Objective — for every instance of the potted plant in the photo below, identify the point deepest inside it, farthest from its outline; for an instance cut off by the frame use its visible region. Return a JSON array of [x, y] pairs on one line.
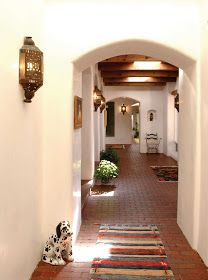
[[110, 155], [105, 171]]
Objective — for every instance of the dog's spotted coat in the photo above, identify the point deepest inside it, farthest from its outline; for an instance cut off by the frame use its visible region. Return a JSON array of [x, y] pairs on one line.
[[59, 245]]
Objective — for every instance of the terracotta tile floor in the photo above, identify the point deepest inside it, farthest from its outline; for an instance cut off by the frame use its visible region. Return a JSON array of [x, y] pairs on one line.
[[138, 198]]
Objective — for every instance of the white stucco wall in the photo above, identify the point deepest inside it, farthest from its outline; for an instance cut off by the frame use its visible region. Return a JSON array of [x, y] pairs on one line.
[[102, 131], [170, 122], [203, 224], [123, 126], [150, 99], [40, 151], [189, 155], [20, 146], [97, 141], [87, 131], [165, 120]]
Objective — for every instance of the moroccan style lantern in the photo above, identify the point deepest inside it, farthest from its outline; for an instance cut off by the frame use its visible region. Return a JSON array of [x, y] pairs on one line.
[[176, 99], [97, 97], [102, 105], [30, 68], [123, 109]]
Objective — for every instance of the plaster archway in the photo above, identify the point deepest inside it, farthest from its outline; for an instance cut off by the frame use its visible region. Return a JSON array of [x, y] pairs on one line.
[[145, 47], [189, 158]]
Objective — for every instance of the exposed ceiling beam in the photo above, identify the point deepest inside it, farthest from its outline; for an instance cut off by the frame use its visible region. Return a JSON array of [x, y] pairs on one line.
[[146, 80], [123, 70], [138, 73], [134, 84], [130, 58], [107, 66]]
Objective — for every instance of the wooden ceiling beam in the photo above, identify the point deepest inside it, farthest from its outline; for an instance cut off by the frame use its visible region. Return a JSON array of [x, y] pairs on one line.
[[135, 84], [138, 73], [130, 58], [147, 80], [105, 66], [116, 71]]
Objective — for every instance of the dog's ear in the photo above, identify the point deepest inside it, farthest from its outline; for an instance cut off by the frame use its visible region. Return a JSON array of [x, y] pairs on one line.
[[58, 230]]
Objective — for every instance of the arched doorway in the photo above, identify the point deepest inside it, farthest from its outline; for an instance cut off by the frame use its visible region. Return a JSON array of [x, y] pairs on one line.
[[188, 128], [126, 125]]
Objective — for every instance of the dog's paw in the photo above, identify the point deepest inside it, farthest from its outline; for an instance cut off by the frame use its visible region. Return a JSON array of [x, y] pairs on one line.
[[55, 262], [61, 262], [70, 258], [50, 260]]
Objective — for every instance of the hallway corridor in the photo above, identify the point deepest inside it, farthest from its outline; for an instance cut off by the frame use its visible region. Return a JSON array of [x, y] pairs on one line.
[[138, 198]]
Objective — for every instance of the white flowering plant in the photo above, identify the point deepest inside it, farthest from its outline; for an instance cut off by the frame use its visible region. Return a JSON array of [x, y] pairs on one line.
[[106, 170]]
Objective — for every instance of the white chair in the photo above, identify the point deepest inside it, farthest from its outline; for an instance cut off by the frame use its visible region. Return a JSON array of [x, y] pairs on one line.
[[153, 142]]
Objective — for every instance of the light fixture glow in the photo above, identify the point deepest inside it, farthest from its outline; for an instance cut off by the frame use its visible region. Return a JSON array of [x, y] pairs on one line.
[[123, 109], [14, 66], [147, 65], [138, 79], [97, 97], [102, 105], [135, 104]]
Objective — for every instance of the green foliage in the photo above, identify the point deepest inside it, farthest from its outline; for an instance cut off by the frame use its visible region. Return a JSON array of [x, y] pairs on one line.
[[136, 131], [136, 134], [110, 155], [106, 170]]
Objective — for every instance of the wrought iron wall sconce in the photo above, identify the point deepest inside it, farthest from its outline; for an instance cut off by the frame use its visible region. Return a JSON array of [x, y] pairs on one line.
[[102, 105], [97, 98], [30, 68], [177, 102], [123, 109], [176, 99]]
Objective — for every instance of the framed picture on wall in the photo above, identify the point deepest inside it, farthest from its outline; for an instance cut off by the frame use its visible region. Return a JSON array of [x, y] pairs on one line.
[[77, 112]]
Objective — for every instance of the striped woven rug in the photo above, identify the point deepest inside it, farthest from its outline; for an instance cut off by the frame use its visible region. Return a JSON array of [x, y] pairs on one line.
[[130, 252]]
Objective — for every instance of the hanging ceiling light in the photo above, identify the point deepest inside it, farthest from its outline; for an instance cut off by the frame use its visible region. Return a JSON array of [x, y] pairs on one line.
[[123, 109], [97, 98]]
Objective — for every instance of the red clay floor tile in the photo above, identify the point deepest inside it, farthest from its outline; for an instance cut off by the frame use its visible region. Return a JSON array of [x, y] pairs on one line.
[[138, 198]]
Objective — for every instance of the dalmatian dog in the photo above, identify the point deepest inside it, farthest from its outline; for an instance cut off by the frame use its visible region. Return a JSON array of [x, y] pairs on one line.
[[59, 245]]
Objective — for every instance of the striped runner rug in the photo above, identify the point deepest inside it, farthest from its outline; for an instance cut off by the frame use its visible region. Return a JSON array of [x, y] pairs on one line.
[[130, 252]]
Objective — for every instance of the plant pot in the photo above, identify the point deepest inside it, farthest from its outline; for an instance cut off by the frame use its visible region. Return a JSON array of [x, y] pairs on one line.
[[105, 180]]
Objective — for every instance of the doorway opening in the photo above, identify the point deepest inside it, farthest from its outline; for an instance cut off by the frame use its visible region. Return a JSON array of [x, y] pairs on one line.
[[188, 128], [135, 122], [123, 122]]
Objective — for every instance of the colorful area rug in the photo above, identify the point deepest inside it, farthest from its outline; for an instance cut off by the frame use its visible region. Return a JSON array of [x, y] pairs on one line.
[[130, 252], [102, 189], [166, 173]]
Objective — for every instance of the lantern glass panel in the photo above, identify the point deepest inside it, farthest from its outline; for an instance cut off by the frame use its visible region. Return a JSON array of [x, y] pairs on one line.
[[22, 66]]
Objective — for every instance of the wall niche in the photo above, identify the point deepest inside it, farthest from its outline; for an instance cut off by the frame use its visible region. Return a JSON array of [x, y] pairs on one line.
[[151, 115]]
